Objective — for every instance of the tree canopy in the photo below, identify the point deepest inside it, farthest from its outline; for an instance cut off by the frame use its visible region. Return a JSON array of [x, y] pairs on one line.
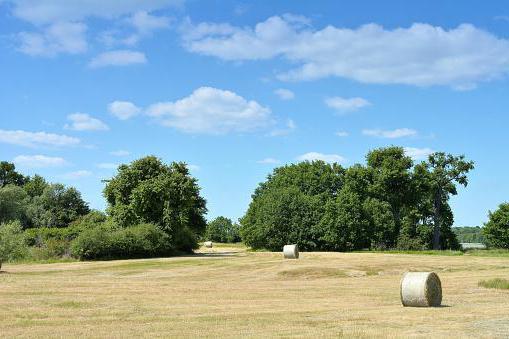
[[387, 203], [148, 191], [496, 230]]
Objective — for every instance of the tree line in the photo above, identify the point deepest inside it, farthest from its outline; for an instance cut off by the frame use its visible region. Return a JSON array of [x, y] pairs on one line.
[[156, 209]]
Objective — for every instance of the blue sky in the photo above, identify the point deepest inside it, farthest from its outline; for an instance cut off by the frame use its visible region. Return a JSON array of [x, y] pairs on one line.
[[237, 88]]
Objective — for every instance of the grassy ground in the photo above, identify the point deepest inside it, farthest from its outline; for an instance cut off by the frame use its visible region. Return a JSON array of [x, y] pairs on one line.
[[228, 292]]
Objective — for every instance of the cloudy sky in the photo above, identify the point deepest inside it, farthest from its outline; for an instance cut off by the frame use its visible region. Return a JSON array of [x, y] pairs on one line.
[[235, 89]]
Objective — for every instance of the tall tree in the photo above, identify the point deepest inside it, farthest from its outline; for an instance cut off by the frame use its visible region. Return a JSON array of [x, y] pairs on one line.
[[445, 172], [148, 191], [9, 176]]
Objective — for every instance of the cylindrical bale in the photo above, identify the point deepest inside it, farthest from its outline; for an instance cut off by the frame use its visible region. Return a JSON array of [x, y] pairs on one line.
[[291, 252], [421, 289], [208, 244]]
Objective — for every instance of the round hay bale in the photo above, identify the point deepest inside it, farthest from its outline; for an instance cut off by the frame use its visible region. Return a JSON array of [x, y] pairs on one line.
[[421, 289], [208, 244], [291, 252]]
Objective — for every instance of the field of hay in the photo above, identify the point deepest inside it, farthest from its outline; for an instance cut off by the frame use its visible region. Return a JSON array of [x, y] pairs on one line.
[[228, 292]]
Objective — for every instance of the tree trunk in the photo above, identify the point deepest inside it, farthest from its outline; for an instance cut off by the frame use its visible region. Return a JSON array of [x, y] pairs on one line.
[[436, 219]]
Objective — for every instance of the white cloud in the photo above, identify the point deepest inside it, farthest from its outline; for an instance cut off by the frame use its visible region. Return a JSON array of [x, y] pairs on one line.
[[346, 104], [342, 134], [145, 23], [290, 127], [46, 11], [193, 167], [418, 153], [269, 161], [107, 165], [77, 175], [390, 134], [421, 54], [60, 37], [123, 110], [36, 139], [120, 153], [211, 111], [120, 57], [38, 161], [84, 122], [284, 94], [330, 158]]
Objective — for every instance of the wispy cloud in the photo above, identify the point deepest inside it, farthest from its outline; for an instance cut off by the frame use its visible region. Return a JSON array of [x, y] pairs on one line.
[[269, 161], [418, 153], [120, 153], [77, 175], [118, 58], [39, 161], [330, 158], [123, 110], [342, 105], [36, 139], [390, 134], [84, 122], [284, 94]]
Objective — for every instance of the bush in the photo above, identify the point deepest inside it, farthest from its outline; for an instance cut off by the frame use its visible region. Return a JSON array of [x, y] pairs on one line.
[[108, 241], [12, 242], [496, 230]]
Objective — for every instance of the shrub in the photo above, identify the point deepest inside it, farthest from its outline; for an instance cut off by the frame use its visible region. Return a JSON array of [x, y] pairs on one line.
[[108, 241], [12, 242]]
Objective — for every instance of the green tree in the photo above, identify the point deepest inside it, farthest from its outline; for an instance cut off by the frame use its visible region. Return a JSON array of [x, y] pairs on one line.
[[12, 242], [496, 230], [35, 185], [148, 191], [445, 171], [9, 176], [12, 203], [222, 229], [57, 206], [392, 182]]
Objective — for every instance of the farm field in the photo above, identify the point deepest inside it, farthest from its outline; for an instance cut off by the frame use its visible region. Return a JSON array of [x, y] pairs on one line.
[[227, 291]]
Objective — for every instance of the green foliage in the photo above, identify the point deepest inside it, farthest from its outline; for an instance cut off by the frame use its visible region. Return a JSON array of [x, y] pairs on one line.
[[57, 206], [498, 283], [223, 230], [12, 242], [108, 241], [389, 203], [35, 186], [469, 234], [13, 200], [9, 176], [148, 191], [496, 230]]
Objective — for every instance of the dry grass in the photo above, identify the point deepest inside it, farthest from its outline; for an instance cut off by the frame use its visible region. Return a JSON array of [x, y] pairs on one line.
[[228, 292]]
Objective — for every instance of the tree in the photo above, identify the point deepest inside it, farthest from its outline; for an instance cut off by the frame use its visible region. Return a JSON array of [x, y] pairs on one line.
[[148, 191], [445, 170], [9, 176], [288, 206], [35, 185], [12, 203], [222, 229], [12, 242], [57, 206], [392, 181], [496, 230]]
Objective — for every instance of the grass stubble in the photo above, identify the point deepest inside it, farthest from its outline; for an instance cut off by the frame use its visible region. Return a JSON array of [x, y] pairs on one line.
[[230, 292]]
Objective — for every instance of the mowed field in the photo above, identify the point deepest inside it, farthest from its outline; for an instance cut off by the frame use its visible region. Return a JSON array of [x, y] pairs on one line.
[[228, 292]]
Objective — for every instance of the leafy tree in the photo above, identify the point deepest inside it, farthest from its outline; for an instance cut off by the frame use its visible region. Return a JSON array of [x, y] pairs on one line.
[[9, 176], [148, 191], [12, 203], [12, 242], [496, 230], [57, 206], [445, 170], [35, 185], [469, 234], [392, 182], [222, 229]]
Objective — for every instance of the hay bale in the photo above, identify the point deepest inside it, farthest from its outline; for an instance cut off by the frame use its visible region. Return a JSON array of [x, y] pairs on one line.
[[291, 252], [421, 289], [208, 244]]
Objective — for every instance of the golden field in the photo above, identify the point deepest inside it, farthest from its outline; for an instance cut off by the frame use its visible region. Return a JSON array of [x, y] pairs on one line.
[[227, 291]]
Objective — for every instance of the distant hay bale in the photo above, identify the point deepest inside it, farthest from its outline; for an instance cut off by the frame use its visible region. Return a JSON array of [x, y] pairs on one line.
[[291, 252], [208, 244], [421, 289]]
